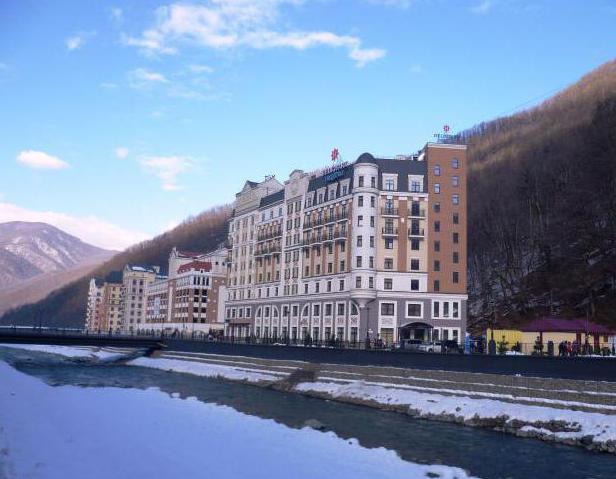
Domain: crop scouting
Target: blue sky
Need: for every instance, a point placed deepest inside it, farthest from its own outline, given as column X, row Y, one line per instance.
column 121, row 119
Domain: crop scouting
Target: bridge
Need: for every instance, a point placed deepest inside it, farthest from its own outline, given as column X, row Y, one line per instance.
column 575, row 368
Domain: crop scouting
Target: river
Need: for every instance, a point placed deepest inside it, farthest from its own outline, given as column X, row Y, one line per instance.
column 485, row 454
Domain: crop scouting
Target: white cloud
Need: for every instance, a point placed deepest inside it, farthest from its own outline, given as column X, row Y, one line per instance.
column 149, row 76
column 393, row 3
column 108, row 85
column 200, row 68
column 40, row 160
column 482, row 8
column 78, row 40
column 121, row 152
column 239, row 23
column 90, row 229
column 117, row 15
column 73, row 43
column 167, row 169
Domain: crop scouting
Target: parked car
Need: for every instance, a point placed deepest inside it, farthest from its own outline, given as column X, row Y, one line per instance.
column 431, row 347
column 410, row 344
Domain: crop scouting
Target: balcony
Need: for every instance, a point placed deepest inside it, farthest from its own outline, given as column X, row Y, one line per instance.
column 389, row 211
column 269, row 235
column 417, row 213
column 390, row 231
column 266, row 250
column 416, row 233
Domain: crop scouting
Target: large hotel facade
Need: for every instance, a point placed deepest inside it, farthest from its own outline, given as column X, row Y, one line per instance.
column 373, row 249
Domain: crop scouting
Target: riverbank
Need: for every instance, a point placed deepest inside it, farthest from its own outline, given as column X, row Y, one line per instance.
column 580, row 413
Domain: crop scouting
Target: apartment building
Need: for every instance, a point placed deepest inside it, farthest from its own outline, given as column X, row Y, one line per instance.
column 189, row 299
column 372, row 249
column 104, row 307
column 135, row 280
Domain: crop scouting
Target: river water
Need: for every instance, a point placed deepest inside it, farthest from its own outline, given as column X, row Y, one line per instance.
column 486, row 454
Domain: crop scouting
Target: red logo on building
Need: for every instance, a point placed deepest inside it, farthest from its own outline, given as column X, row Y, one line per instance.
column 446, row 128
column 335, row 154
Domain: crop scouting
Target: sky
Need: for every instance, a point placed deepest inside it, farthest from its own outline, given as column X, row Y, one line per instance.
column 121, row 119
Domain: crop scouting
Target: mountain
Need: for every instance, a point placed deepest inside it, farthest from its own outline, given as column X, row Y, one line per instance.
column 31, row 249
column 542, row 208
column 36, row 258
column 66, row 306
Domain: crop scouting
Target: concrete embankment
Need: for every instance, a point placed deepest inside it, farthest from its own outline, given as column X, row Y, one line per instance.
column 574, row 412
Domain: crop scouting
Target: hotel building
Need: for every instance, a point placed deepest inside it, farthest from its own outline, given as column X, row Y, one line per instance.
column 189, row 299
column 104, row 308
column 373, row 249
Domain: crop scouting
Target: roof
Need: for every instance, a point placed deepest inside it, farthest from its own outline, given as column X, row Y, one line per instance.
column 402, row 168
column 199, row 265
column 271, row 199
column 114, row 277
column 140, row 269
column 562, row 325
column 365, row 158
column 189, row 254
column 330, row 177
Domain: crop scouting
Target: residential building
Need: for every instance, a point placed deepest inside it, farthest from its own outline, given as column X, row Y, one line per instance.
column 373, row 249
column 135, row 280
column 189, row 299
column 104, row 308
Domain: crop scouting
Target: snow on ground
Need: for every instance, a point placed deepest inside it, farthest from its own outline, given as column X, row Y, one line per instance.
column 207, row 370
column 601, row 427
column 100, row 433
column 67, row 351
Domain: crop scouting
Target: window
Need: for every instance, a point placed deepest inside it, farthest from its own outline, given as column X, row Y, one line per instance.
column 437, row 265
column 455, row 180
column 360, row 220
column 390, row 184
column 372, row 221
column 342, row 265
column 437, row 187
column 456, row 257
column 389, row 243
column 388, row 283
column 455, row 199
column 372, row 201
column 371, row 262
column 414, row 265
column 360, row 201
column 340, row 309
column 416, row 186
column 372, row 241
column 306, row 286
column 359, row 241
column 456, row 307
column 456, row 277
column 456, row 238
column 387, row 309
column 358, row 282
column 388, row 263
column 414, row 285
column 360, row 181
column 344, row 190
column 437, row 285
column 341, row 285
column 415, row 244
column 329, row 286
column 436, row 309
column 437, row 226
column 413, row 310
column 437, row 207
column 437, row 170
column 317, row 286
column 328, row 309
column 358, row 261
column 455, row 163
column 456, row 219
column 437, row 246
column 330, row 268
column 373, row 181
column 370, row 282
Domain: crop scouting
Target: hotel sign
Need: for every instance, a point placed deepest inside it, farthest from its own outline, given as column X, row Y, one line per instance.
column 445, row 136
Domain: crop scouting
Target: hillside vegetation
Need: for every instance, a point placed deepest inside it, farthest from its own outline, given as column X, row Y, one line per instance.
column 542, row 207
column 67, row 306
